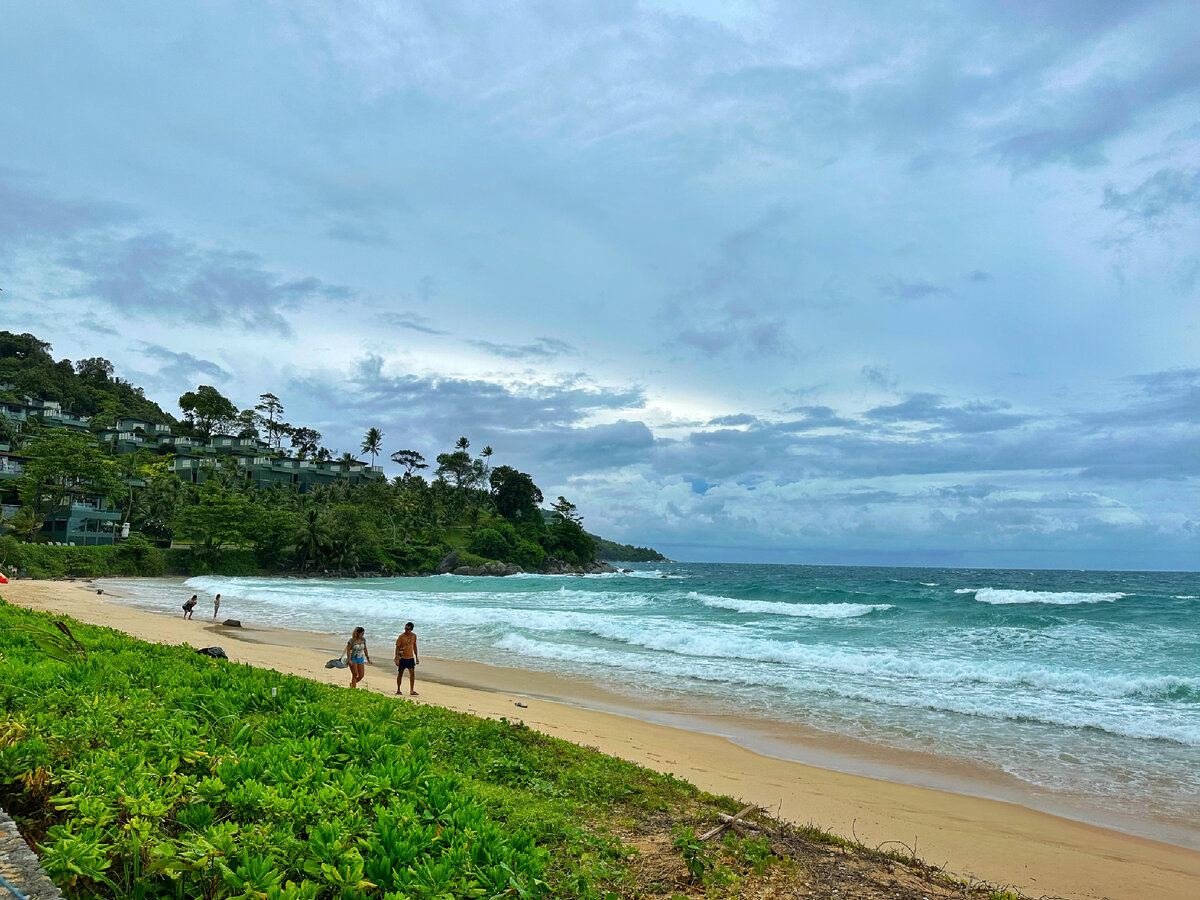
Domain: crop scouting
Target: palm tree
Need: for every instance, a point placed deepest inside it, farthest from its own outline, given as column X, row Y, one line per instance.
column 312, row 539
column 27, row 523
column 373, row 443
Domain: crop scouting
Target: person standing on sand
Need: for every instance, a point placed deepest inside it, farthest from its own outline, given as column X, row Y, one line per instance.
column 189, row 607
column 357, row 655
column 216, row 606
column 407, row 658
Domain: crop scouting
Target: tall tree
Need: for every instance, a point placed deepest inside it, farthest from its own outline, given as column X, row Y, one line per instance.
column 207, row 410
column 462, row 444
column 305, row 441
column 373, row 443
column 515, row 495
column 565, row 511
column 220, row 518
column 411, row 460
column 271, row 409
column 456, row 466
column 63, row 462
column 247, row 423
column 95, row 368
column 568, row 540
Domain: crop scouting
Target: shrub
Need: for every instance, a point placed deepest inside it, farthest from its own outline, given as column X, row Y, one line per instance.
column 135, row 556
column 490, row 543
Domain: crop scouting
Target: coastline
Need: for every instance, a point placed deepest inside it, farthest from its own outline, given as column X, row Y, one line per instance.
column 987, row 839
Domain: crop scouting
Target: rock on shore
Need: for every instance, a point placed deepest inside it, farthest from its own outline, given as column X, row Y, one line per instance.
column 449, row 566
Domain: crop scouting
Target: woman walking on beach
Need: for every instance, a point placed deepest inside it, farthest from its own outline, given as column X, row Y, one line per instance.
column 357, row 655
column 216, row 606
column 190, row 606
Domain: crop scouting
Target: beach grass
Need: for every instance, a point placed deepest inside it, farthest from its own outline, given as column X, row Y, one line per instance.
column 141, row 770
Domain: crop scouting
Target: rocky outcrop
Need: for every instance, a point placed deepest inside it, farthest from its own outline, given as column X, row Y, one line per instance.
column 450, row 566
column 554, row 566
column 492, row 568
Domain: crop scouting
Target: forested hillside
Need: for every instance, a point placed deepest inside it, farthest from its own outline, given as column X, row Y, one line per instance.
column 219, row 483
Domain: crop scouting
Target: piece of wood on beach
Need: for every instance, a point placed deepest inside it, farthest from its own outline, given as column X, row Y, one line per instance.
column 713, row 832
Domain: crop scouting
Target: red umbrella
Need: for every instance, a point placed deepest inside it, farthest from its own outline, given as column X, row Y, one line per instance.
column 3, row 580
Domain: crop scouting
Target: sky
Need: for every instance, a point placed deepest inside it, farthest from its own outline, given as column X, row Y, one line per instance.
column 866, row 283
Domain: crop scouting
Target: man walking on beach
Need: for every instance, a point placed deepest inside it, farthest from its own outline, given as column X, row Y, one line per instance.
column 407, row 658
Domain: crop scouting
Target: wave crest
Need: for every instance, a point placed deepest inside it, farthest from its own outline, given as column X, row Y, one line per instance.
column 799, row 610
column 1012, row 597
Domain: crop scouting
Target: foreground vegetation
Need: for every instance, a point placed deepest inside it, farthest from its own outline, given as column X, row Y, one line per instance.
column 145, row 771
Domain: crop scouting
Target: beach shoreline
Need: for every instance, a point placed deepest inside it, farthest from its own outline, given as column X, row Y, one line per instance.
column 980, row 837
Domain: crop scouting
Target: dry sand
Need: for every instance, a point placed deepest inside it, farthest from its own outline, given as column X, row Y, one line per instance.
column 1041, row 855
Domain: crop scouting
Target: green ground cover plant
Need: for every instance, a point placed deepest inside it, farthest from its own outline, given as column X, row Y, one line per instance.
column 141, row 771
column 150, row 771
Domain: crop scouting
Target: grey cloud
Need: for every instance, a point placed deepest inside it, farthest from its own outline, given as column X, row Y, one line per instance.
column 540, row 427
column 879, row 377
column 158, row 275
column 412, row 322
column 914, row 290
column 931, row 409
column 181, row 367
column 357, row 234
column 564, row 452
column 489, row 405
column 735, row 419
column 1166, row 399
column 1076, row 126
column 978, row 276
column 94, row 324
column 735, row 302
column 26, row 214
column 814, row 417
column 1156, row 200
column 1077, row 16
column 540, row 348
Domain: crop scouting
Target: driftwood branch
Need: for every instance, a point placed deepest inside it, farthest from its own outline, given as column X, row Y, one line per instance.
column 713, row 832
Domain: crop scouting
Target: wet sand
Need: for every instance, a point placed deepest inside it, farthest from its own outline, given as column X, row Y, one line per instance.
column 1003, row 843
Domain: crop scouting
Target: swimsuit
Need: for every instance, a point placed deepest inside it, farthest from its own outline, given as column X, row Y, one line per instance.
column 407, row 664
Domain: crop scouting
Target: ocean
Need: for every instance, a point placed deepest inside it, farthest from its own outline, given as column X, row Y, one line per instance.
column 1081, row 687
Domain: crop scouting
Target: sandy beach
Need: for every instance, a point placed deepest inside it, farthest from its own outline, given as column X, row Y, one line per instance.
column 1003, row 843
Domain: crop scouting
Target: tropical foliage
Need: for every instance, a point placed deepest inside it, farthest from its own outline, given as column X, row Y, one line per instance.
column 152, row 772
column 407, row 525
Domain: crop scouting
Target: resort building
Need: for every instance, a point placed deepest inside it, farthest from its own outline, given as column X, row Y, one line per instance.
column 83, row 521
column 86, row 520
column 301, row 475
column 49, row 412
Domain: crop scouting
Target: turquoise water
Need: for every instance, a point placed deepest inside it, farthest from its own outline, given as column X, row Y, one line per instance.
column 1082, row 683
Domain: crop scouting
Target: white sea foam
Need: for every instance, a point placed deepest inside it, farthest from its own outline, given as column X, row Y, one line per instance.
column 799, row 610
column 931, row 584
column 1000, row 703
column 1007, row 597
column 1186, row 597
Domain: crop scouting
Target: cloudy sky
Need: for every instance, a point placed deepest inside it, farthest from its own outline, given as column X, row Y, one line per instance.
column 893, row 283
